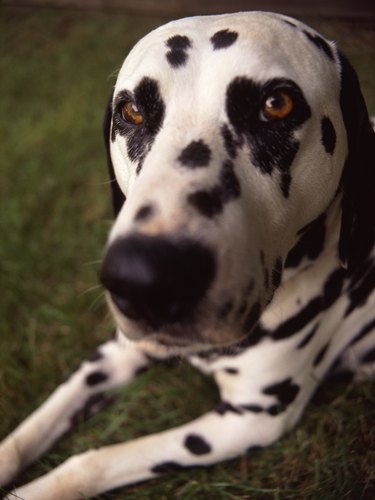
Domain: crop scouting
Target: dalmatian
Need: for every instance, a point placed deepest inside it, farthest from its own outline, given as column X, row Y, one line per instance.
column 241, row 158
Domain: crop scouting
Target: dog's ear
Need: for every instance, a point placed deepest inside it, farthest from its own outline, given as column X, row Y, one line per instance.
column 357, row 234
column 118, row 197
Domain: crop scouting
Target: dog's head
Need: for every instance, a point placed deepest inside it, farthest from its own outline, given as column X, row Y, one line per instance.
column 225, row 135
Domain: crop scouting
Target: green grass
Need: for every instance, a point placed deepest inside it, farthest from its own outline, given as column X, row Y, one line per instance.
column 56, row 71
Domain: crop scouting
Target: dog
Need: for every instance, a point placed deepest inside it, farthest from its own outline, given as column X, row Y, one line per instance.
column 243, row 148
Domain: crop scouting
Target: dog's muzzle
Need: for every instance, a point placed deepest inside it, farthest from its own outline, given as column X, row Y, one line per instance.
column 157, row 280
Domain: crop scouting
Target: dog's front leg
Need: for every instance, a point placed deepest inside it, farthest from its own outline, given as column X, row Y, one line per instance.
column 214, row 437
column 115, row 363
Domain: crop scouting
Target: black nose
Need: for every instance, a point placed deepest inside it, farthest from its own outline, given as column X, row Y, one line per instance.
column 157, row 280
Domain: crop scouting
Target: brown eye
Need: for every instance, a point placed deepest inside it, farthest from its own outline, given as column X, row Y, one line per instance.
column 131, row 114
column 277, row 106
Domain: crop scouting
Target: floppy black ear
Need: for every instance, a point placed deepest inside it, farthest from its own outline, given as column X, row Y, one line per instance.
column 118, row 197
column 357, row 235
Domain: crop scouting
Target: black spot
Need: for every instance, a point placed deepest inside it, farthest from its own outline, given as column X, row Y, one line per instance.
column 328, row 135
column 139, row 138
column 95, row 356
column 208, row 203
column 252, row 317
column 336, row 365
column 165, row 467
column 95, row 378
column 118, row 197
column 211, row 202
column 357, row 234
column 224, row 407
column 262, row 258
column 285, row 391
column 197, row 445
column 271, row 143
column 333, row 287
column 231, row 371
column 286, row 180
column 242, row 308
column 340, row 377
column 178, row 56
column 230, row 143
column 319, row 357
column 178, row 42
column 266, row 278
column 289, row 23
column 229, row 183
column 368, row 328
column 306, row 339
column 253, row 338
column 331, row 292
column 361, row 286
column 275, row 410
column 225, row 309
column 295, row 323
column 310, row 244
column 319, row 42
column 277, row 272
column 223, row 39
column 93, row 404
column 369, row 357
column 253, row 408
column 210, row 354
column 196, row 154
column 144, row 213
column 250, row 287
column 243, row 103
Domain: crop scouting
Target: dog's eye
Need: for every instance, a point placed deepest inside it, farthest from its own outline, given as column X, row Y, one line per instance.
column 131, row 114
column 277, row 106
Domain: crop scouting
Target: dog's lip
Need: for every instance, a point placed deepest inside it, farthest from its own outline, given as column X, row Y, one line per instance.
column 185, row 341
column 181, row 344
column 187, row 336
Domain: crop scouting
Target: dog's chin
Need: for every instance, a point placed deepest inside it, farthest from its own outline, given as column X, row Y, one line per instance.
column 188, row 336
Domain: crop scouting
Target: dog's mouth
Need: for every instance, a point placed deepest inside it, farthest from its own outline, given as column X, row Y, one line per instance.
column 163, row 289
column 204, row 328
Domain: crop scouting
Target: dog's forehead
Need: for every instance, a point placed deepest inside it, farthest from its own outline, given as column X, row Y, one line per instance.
column 258, row 45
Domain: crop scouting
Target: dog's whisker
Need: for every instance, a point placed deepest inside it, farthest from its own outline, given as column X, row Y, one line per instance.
column 99, row 300
column 93, row 262
column 90, row 290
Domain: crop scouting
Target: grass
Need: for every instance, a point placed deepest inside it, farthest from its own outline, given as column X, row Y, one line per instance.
column 57, row 68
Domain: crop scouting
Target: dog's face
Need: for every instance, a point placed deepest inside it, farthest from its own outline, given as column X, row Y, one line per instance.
column 226, row 139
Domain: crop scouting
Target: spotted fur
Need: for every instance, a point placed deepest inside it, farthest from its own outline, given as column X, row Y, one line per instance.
column 245, row 244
